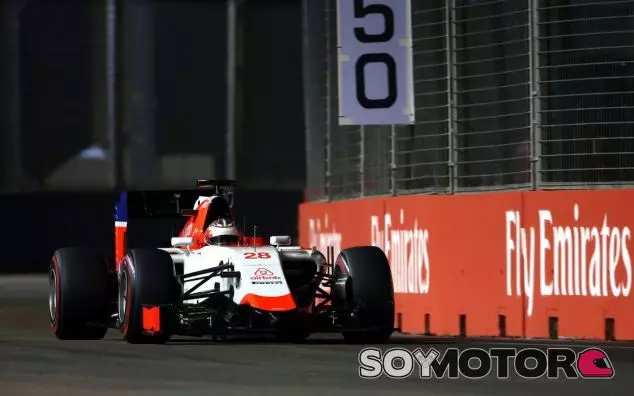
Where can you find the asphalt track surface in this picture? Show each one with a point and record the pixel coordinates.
(34, 362)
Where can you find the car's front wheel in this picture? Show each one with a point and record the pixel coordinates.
(364, 290)
(147, 284)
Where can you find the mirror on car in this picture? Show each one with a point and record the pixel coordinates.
(280, 240)
(182, 241)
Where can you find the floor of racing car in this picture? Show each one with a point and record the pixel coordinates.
(32, 361)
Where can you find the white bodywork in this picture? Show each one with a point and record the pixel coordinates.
(260, 269)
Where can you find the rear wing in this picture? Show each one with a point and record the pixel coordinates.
(145, 218)
(166, 203)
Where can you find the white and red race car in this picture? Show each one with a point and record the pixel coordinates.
(193, 288)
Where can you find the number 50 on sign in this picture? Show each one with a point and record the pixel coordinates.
(375, 62)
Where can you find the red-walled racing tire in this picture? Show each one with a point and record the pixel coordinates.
(78, 294)
(146, 277)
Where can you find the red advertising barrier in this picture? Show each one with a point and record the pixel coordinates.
(518, 264)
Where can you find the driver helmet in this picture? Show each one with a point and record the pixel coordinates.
(222, 232)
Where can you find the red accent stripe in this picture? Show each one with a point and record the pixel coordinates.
(119, 235)
(151, 319)
(279, 303)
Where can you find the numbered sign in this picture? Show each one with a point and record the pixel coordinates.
(376, 84)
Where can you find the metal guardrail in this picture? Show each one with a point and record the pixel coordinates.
(508, 94)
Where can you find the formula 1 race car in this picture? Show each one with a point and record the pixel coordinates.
(195, 286)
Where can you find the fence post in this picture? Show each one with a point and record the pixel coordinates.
(113, 119)
(328, 103)
(362, 162)
(393, 160)
(535, 104)
(452, 99)
(11, 166)
(232, 16)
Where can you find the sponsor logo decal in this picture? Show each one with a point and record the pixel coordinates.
(263, 276)
(569, 258)
(477, 363)
(406, 249)
(322, 238)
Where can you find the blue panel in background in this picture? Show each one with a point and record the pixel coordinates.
(121, 208)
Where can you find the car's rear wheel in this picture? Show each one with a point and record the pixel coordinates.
(78, 294)
(146, 278)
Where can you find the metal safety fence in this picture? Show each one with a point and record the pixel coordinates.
(508, 94)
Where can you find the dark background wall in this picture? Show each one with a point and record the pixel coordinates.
(190, 77)
(55, 70)
(61, 99)
(34, 225)
(273, 122)
(61, 79)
